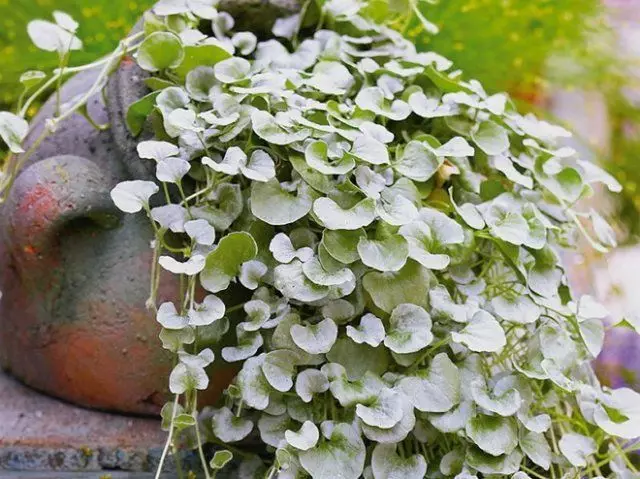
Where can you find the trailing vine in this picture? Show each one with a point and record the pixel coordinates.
(375, 242)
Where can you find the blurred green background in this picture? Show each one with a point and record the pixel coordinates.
(503, 43)
(102, 24)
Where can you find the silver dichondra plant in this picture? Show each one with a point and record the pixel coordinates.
(379, 243)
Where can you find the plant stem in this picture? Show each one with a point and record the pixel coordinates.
(11, 177)
(205, 466)
(70, 70)
(169, 437)
(416, 364)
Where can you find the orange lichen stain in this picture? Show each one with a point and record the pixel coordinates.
(127, 60)
(29, 249)
(39, 205)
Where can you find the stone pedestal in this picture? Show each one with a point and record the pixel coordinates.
(45, 437)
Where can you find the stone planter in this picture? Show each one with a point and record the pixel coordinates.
(74, 272)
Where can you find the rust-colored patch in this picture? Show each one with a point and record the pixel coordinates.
(36, 209)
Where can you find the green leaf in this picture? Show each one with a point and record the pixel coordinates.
(222, 207)
(592, 333)
(536, 447)
(223, 263)
(316, 157)
(397, 433)
(311, 176)
(334, 217)
(315, 338)
(567, 185)
(505, 222)
(482, 334)
(417, 161)
(316, 272)
(341, 455)
(53, 37)
(276, 206)
(32, 78)
(229, 428)
(389, 254)
(279, 368)
(495, 435)
(343, 244)
(373, 360)
(291, 281)
(200, 231)
(386, 463)
(331, 78)
(169, 318)
(409, 329)
(200, 55)
(491, 138)
(208, 312)
(619, 415)
(505, 404)
(371, 331)
(132, 196)
(254, 388)
(488, 464)
(394, 208)
(385, 411)
(159, 51)
(266, 127)
(368, 149)
(305, 438)
(310, 382)
(199, 82)
(13, 130)
(577, 448)
(436, 389)
(220, 459)
(248, 343)
(138, 112)
(373, 99)
(232, 70)
(516, 308)
(409, 285)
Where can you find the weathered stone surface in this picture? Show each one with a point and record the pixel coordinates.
(74, 272)
(72, 318)
(41, 433)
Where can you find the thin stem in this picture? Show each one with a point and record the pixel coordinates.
(11, 177)
(205, 466)
(532, 473)
(416, 364)
(70, 70)
(625, 458)
(165, 450)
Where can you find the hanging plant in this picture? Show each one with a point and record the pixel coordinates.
(378, 241)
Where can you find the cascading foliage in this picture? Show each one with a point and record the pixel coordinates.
(379, 244)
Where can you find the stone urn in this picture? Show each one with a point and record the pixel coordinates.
(74, 271)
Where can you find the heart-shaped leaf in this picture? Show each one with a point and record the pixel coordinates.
(436, 389)
(224, 262)
(340, 455)
(409, 329)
